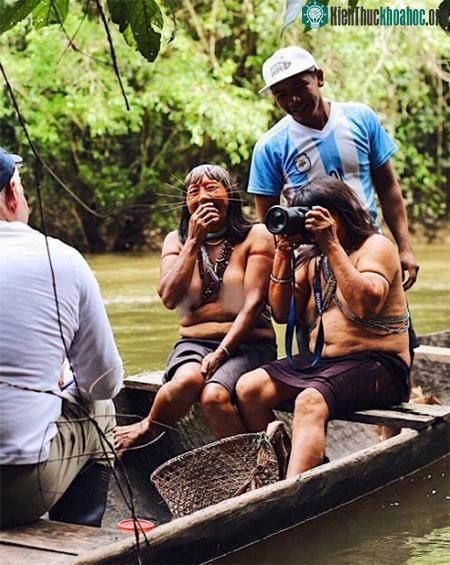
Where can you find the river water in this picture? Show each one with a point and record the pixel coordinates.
(145, 331)
(404, 523)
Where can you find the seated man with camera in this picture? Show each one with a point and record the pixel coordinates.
(345, 292)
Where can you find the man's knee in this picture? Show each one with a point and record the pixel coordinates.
(91, 425)
(187, 380)
(311, 405)
(249, 388)
(214, 397)
(104, 413)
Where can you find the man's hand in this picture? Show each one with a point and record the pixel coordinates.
(287, 243)
(212, 362)
(321, 223)
(409, 264)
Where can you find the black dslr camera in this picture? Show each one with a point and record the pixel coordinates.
(289, 221)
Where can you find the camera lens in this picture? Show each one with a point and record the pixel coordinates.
(276, 219)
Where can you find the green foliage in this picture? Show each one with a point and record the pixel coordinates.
(12, 13)
(49, 12)
(198, 102)
(137, 19)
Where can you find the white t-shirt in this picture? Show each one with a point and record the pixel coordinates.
(31, 349)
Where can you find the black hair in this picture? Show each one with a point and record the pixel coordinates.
(337, 197)
(238, 225)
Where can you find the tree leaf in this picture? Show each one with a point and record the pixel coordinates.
(49, 12)
(119, 11)
(291, 13)
(144, 14)
(137, 20)
(444, 17)
(352, 4)
(12, 13)
(129, 37)
(173, 6)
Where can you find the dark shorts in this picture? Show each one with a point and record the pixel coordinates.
(244, 358)
(356, 382)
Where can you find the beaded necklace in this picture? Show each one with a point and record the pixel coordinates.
(212, 279)
(390, 325)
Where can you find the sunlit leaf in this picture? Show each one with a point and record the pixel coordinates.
(291, 13)
(173, 6)
(129, 37)
(49, 12)
(13, 12)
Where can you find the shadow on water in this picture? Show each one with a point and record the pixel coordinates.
(406, 522)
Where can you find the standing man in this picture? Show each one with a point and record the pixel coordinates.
(53, 452)
(318, 137)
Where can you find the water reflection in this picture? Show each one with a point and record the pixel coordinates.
(405, 522)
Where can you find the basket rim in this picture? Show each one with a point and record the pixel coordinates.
(190, 453)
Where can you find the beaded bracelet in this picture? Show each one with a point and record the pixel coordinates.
(274, 279)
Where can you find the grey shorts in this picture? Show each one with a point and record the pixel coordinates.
(244, 358)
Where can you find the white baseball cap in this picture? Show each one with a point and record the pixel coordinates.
(286, 63)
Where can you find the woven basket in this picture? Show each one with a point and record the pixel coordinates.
(216, 472)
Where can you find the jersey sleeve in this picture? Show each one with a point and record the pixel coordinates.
(382, 146)
(266, 173)
(93, 351)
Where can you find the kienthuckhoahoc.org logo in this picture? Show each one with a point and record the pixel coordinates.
(381, 16)
(314, 14)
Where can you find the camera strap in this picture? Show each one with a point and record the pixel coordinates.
(291, 323)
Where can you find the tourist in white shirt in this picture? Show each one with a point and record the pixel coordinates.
(49, 450)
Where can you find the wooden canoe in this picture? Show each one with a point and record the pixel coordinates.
(359, 465)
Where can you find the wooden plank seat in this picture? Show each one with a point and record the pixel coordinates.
(152, 381)
(433, 353)
(407, 415)
(45, 541)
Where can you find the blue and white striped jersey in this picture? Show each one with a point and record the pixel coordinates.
(351, 144)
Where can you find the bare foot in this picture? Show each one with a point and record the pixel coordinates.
(132, 435)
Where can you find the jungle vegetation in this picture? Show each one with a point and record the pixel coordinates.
(198, 101)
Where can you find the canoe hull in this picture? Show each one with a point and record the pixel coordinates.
(219, 529)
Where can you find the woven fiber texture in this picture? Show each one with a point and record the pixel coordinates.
(216, 472)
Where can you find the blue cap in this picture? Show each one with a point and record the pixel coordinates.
(8, 163)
